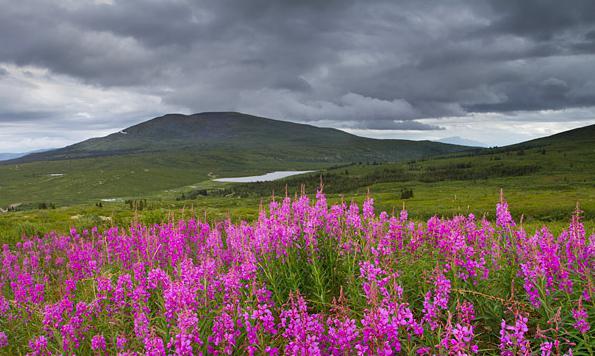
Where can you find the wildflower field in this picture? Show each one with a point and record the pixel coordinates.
(304, 278)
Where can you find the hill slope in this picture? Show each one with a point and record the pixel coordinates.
(179, 150)
(573, 137)
(545, 178)
(230, 130)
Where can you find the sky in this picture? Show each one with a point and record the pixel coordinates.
(493, 72)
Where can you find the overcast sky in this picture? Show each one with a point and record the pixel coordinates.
(496, 72)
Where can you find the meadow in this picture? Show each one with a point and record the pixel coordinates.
(413, 257)
(305, 277)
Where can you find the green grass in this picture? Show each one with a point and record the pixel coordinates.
(537, 206)
(89, 179)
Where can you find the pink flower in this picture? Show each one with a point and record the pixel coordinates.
(98, 343)
(3, 339)
(342, 335)
(38, 345)
(580, 316)
(512, 337)
(301, 329)
(121, 342)
(154, 346)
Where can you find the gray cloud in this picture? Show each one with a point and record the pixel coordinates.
(26, 116)
(349, 64)
(403, 125)
(542, 20)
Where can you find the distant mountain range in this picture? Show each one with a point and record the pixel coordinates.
(457, 140)
(4, 156)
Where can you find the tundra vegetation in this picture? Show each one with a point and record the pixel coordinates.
(305, 277)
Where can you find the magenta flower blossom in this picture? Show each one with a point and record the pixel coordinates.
(503, 217)
(221, 287)
(342, 335)
(513, 339)
(38, 345)
(121, 342)
(442, 291)
(546, 348)
(154, 346)
(581, 319)
(98, 343)
(302, 329)
(3, 339)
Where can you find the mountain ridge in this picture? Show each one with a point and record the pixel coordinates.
(230, 130)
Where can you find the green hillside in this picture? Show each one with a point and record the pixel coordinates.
(280, 140)
(176, 150)
(570, 138)
(545, 178)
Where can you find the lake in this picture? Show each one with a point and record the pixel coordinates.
(262, 178)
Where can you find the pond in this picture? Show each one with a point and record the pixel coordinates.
(262, 178)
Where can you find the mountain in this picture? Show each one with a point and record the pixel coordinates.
(12, 155)
(175, 151)
(457, 140)
(572, 137)
(235, 131)
(8, 155)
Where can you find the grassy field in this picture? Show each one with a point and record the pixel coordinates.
(531, 196)
(67, 182)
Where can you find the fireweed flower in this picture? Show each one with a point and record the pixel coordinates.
(38, 345)
(3, 339)
(98, 343)
(513, 339)
(380, 333)
(503, 217)
(224, 333)
(466, 312)
(546, 348)
(342, 335)
(458, 339)
(430, 311)
(442, 291)
(141, 326)
(184, 341)
(4, 306)
(301, 329)
(121, 342)
(154, 346)
(368, 208)
(581, 319)
(190, 286)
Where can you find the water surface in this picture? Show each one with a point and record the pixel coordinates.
(262, 178)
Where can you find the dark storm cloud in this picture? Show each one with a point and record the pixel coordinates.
(392, 125)
(354, 64)
(541, 19)
(26, 116)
